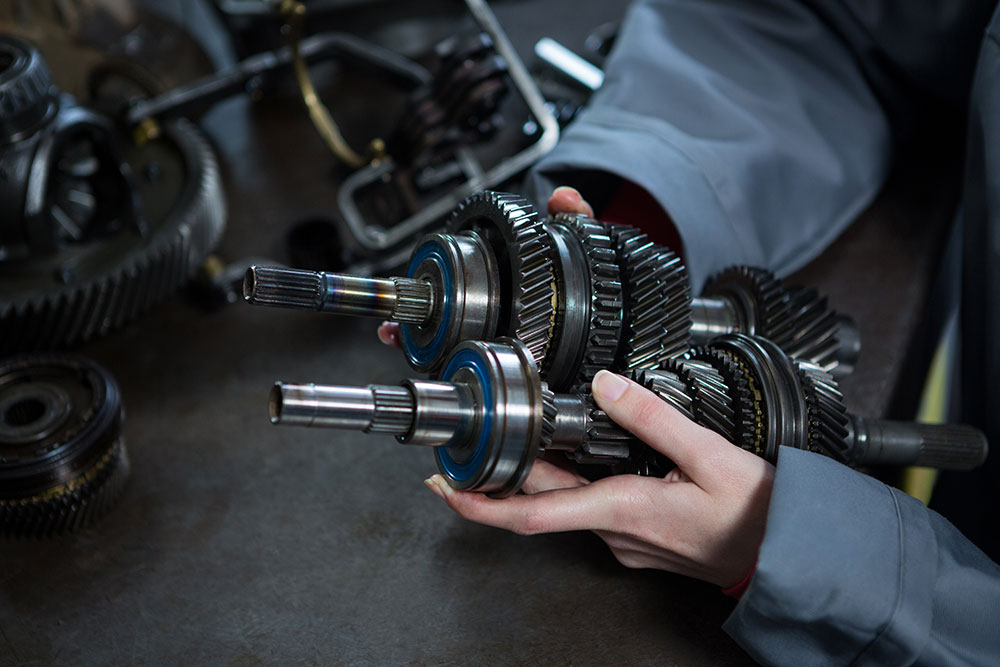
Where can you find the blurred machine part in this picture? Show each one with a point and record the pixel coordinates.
(63, 461)
(95, 230)
(491, 415)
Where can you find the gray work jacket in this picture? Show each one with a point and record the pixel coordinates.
(763, 128)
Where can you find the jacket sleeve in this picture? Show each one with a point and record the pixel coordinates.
(852, 571)
(749, 122)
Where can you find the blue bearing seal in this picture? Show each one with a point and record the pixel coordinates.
(468, 358)
(428, 355)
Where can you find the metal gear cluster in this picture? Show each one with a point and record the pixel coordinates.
(63, 462)
(580, 294)
(490, 415)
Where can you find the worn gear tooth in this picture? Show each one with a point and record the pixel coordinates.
(511, 226)
(95, 306)
(827, 414)
(657, 300)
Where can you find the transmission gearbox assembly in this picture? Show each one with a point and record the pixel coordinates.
(491, 415)
(578, 294)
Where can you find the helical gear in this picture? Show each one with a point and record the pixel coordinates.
(524, 252)
(710, 401)
(769, 299)
(605, 333)
(745, 422)
(814, 335)
(666, 384)
(827, 414)
(657, 297)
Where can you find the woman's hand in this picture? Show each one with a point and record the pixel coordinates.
(705, 519)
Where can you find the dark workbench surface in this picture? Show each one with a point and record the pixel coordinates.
(241, 543)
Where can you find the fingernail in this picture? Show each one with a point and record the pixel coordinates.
(566, 188)
(434, 487)
(609, 386)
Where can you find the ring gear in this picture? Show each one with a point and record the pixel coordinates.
(63, 462)
(90, 290)
(525, 256)
(606, 301)
(657, 299)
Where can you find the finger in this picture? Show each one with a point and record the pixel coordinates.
(696, 450)
(567, 200)
(388, 333)
(546, 476)
(595, 506)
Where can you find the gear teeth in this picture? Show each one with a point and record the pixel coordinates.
(70, 508)
(605, 441)
(710, 399)
(744, 415)
(511, 226)
(669, 386)
(796, 319)
(30, 321)
(657, 300)
(827, 415)
(606, 301)
(548, 417)
(814, 335)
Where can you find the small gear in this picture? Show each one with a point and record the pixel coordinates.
(605, 441)
(606, 313)
(827, 414)
(657, 298)
(63, 462)
(744, 418)
(525, 256)
(548, 417)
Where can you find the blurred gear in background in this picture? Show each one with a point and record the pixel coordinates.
(63, 461)
(96, 228)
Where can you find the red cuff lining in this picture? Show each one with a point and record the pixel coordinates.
(737, 591)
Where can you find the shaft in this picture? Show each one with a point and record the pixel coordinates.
(396, 299)
(945, 446)
(418, 412)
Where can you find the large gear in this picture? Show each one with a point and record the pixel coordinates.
(827, 414)
(86, 291)
(657, 298)
(525, 257)
(604, 336)
(63, 462)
